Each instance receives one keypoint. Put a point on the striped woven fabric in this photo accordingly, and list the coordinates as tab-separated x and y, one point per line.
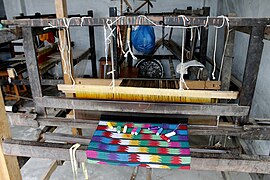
145	149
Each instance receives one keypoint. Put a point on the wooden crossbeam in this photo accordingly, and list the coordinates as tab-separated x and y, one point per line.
193	85
143	107
55	151
138	20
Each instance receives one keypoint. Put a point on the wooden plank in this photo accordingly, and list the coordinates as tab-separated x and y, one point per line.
144	107
22	119
204	38
245	132
52	168
85	140
227	64
137	20
66	55
95	89
254	55
7	35
61	12
9	167
92	46
32	66
210	85
242	163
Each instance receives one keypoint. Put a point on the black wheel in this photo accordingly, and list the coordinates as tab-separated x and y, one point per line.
150	68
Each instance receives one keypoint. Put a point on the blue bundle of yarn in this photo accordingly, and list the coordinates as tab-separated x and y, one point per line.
143	39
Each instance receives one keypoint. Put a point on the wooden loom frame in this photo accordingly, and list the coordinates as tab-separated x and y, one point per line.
221	161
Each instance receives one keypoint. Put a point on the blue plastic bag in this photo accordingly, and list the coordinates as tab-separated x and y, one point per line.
143	39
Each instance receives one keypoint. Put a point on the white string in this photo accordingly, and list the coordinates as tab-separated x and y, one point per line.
225	45
108	42
74	164
214	55
225	19
182	80
207	21
66	46
83	18
50	26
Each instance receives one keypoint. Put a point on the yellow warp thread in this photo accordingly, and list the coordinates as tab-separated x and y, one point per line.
84	94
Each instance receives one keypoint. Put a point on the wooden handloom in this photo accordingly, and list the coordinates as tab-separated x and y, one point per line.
209	158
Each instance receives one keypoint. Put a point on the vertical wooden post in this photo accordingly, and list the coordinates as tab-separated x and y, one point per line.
113	13
204	38
227	64
188	33
61	12
226	70
92	46
9	167
32	65
253	61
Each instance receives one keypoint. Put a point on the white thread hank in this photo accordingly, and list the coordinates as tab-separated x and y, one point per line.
225	19
225	45
74	164
182	80
66	47
214	55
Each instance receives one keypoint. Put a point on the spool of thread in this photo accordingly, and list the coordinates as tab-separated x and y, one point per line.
165	138
118	129
153	128
170	134
159	131
125	129
138	131
133	131
110	125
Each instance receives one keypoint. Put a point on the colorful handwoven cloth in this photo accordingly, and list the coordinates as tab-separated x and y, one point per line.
145	149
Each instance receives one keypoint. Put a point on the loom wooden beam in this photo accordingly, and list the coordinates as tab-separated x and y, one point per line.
193	85
9	167
250	132
137	20
143	107
204	38
53	166
7	35
61	12
255	50
95	89
66	55
92	46
32	66
22	119
244	163
226	70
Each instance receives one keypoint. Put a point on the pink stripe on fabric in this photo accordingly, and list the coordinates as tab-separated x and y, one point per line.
91	154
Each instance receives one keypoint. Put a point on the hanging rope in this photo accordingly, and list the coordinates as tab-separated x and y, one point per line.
182	80
225	20
225	46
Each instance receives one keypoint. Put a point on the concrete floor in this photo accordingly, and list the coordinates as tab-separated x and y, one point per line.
36	168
